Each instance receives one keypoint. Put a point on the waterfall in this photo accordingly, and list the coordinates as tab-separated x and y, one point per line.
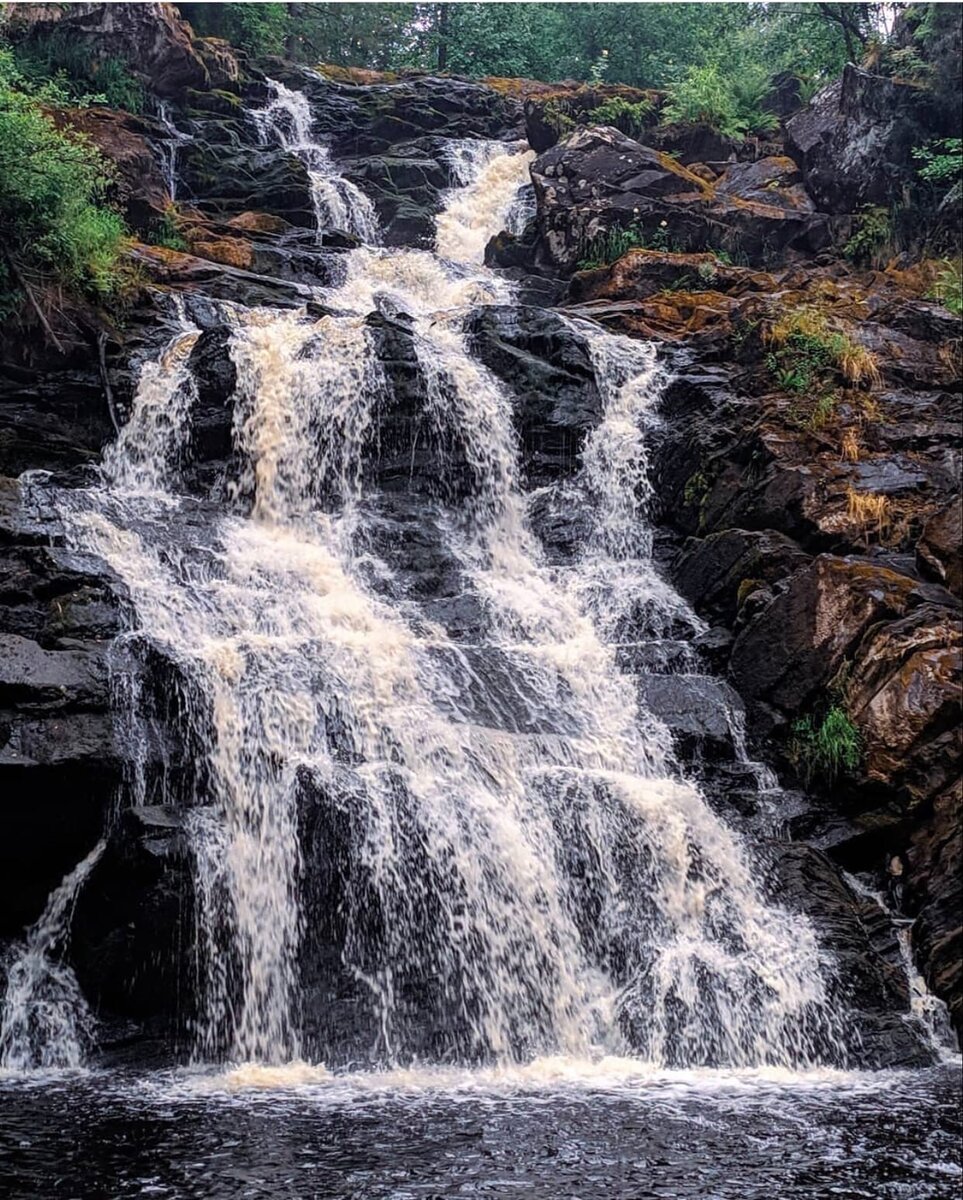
171	148
46	1022
338	203
483	204
525	868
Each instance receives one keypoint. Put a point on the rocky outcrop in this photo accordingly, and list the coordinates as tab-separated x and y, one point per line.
131	144
599	180
854	142
832	609
151	39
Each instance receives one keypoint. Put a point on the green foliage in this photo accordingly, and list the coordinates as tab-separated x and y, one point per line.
557	116
644	45
948	288
942	161
730	105
608	247
823	748
52	184
599	67
807	352
622	114
63	71
166	231
872	237
256	28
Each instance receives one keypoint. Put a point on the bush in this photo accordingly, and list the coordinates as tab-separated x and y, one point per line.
609	247
872	237
626	115
79	80
809	349
733	107
825	748
52	184
948	288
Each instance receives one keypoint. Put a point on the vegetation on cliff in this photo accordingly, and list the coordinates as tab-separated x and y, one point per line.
54	225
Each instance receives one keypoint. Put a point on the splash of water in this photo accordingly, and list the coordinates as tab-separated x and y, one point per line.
482	205
338	203
46	1022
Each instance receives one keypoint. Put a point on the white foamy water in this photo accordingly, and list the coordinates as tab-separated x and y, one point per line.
338	203
524	875
481	207
45	1019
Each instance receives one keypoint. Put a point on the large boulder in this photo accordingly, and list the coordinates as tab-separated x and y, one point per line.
547	364
854	141
151	39
599	180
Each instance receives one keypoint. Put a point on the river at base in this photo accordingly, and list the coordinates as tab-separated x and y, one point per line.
552	1130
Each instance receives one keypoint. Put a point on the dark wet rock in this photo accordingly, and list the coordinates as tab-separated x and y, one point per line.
226	180
132	923
939	552
215	377
406	185
718	572
869	977
187	272
696	710
599	179
60	763
855	139
905	694
796	646
547	364
934	895
775	180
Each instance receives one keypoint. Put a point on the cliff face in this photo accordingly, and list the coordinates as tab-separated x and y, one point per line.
813	519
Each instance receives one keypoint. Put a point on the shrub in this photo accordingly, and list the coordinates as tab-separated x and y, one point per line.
733	107
808	349
948	288
608	247
626	115
166	231
823	748
872	236
52	185
56	59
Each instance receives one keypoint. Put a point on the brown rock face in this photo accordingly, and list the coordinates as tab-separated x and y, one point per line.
905	697
150	38
141	189
939	552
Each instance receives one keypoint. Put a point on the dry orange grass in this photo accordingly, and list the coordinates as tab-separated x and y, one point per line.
849	446
869	511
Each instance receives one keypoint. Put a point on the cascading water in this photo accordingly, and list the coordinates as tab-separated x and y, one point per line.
338	203
525	869
46	1022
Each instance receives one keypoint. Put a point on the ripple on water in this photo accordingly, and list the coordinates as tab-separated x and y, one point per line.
555	1128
